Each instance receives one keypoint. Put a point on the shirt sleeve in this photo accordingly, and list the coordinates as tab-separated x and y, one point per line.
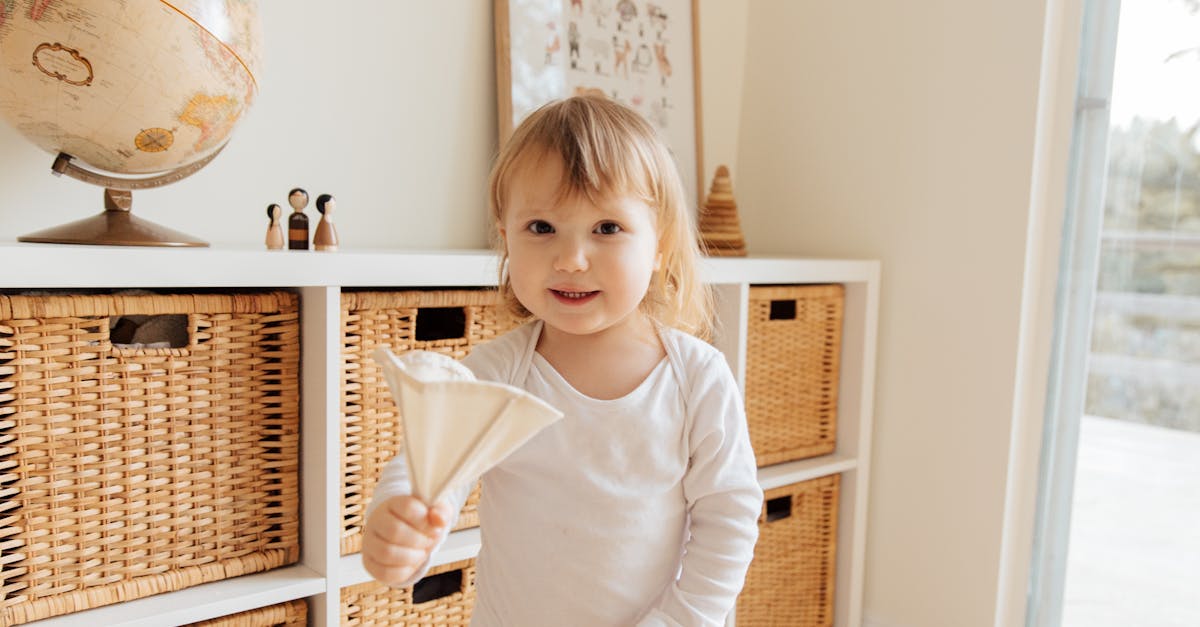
724	501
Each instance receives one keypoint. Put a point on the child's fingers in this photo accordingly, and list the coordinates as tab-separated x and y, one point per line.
398	538
412	511
386	530
388	574
440	514
407	548
390	554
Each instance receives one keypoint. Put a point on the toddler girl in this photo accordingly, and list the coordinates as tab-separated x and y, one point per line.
640	506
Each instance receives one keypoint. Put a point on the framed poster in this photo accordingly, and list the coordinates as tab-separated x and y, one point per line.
642	53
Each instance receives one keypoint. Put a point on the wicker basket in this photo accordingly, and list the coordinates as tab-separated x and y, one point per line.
289	614
127	472
792	357
791	580
444	321
444	598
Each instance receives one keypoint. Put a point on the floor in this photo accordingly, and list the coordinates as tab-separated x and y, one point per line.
1134	557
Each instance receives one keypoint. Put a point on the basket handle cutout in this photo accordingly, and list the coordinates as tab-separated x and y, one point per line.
779	508
154	330
783	310
437	586
441	323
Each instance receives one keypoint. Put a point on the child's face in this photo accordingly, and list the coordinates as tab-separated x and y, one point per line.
583	268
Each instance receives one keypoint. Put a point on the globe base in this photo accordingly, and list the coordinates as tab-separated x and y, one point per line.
113	228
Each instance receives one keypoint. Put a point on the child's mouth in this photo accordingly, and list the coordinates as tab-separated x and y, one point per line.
573	298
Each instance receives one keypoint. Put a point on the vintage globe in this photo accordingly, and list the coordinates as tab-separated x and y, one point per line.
143	89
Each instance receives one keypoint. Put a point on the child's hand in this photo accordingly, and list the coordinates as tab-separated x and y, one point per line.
400	535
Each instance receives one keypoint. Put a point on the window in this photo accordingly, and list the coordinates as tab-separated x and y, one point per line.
1119	504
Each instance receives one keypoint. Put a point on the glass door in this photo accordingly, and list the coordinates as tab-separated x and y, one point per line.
1118	537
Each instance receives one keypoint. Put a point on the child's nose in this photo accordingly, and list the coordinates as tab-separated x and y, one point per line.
571	256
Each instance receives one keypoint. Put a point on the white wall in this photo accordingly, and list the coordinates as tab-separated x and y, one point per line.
390	106
905	131
391	109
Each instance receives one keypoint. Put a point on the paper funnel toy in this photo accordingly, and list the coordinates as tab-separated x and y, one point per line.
456	428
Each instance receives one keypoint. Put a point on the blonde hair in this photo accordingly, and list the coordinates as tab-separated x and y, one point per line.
606	147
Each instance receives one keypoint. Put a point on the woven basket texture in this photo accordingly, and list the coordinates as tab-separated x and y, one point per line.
457	321
289	614
127	472
376	605
793	354
791	580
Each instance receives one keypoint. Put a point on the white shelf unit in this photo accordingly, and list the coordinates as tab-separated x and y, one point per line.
319	277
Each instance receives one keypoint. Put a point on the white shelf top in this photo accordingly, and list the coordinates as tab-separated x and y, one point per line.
59	265
28	265
767	269
210	600
779	475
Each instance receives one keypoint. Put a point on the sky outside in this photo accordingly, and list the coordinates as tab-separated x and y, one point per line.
1146	84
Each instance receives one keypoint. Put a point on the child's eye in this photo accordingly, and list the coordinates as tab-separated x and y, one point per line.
540	227
608	228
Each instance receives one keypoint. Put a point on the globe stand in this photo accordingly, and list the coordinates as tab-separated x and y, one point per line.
117	226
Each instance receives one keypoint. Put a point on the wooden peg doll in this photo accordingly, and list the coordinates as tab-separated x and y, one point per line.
298	222
275	237
326	236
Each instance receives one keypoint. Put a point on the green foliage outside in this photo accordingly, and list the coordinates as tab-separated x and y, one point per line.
1153	178
1146	327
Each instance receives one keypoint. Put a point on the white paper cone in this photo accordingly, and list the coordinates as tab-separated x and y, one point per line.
456	428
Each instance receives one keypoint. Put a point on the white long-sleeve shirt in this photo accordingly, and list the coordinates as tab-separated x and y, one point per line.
639	510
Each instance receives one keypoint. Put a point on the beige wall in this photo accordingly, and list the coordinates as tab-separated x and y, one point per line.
905	132
722	68
897	131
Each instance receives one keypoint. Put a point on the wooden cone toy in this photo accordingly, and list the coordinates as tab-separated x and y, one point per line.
720	230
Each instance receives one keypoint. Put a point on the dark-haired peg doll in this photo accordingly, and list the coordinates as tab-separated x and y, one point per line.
326	236
275	237
298	222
